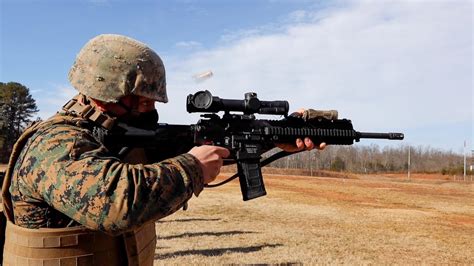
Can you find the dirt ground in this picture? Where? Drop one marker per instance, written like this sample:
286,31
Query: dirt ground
306,220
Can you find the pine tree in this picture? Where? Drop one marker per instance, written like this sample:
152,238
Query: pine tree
17,107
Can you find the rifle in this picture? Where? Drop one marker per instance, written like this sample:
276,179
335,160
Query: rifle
245,136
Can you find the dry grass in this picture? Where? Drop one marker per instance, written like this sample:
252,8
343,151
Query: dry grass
308,220
376,219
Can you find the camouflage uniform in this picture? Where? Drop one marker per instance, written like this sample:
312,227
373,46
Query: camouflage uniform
64,177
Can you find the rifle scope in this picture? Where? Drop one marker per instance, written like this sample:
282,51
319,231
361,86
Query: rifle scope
203,101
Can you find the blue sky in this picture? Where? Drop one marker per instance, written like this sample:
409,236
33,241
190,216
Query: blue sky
387,65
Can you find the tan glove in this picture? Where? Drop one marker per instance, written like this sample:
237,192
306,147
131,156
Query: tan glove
311,114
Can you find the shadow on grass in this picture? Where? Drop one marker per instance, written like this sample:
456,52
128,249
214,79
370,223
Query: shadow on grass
206,234
190,220
214,251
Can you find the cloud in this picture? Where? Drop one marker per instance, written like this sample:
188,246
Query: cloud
53,98
188,44
386,65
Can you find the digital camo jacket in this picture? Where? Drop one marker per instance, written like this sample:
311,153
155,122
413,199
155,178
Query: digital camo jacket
65,177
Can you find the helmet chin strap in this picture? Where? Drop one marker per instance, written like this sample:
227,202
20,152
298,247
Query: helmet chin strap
80,106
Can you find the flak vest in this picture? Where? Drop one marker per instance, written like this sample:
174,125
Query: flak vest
71,245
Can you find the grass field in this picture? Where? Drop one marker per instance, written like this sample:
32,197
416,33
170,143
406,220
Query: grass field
376,219
308,220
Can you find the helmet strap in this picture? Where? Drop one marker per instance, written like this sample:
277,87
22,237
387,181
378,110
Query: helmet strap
80,106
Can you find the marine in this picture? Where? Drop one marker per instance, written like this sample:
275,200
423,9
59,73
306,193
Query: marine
68,198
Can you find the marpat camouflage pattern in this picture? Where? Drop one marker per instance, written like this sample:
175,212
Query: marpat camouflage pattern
65,177
111,66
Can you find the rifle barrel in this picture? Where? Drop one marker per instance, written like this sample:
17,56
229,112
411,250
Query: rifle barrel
391,135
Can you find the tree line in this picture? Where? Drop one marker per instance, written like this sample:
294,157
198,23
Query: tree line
375,159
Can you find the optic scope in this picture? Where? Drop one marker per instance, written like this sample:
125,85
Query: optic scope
204,102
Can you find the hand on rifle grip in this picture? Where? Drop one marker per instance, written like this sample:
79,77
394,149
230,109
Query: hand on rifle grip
210,159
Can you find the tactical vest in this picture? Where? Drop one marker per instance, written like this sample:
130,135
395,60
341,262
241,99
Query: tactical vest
71,245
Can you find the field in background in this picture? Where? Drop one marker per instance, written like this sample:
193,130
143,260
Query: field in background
344,218
358,220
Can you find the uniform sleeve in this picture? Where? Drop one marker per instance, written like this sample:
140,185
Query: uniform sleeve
73,173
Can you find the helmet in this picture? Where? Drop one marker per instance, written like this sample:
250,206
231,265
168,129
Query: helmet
111,66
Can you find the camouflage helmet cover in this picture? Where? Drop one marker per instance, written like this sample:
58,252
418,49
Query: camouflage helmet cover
111,66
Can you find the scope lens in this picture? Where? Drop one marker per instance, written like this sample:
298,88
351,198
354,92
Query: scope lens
202,99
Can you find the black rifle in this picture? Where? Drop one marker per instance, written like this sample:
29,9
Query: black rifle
247,138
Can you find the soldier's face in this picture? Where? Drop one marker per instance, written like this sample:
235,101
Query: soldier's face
139,103
144,116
